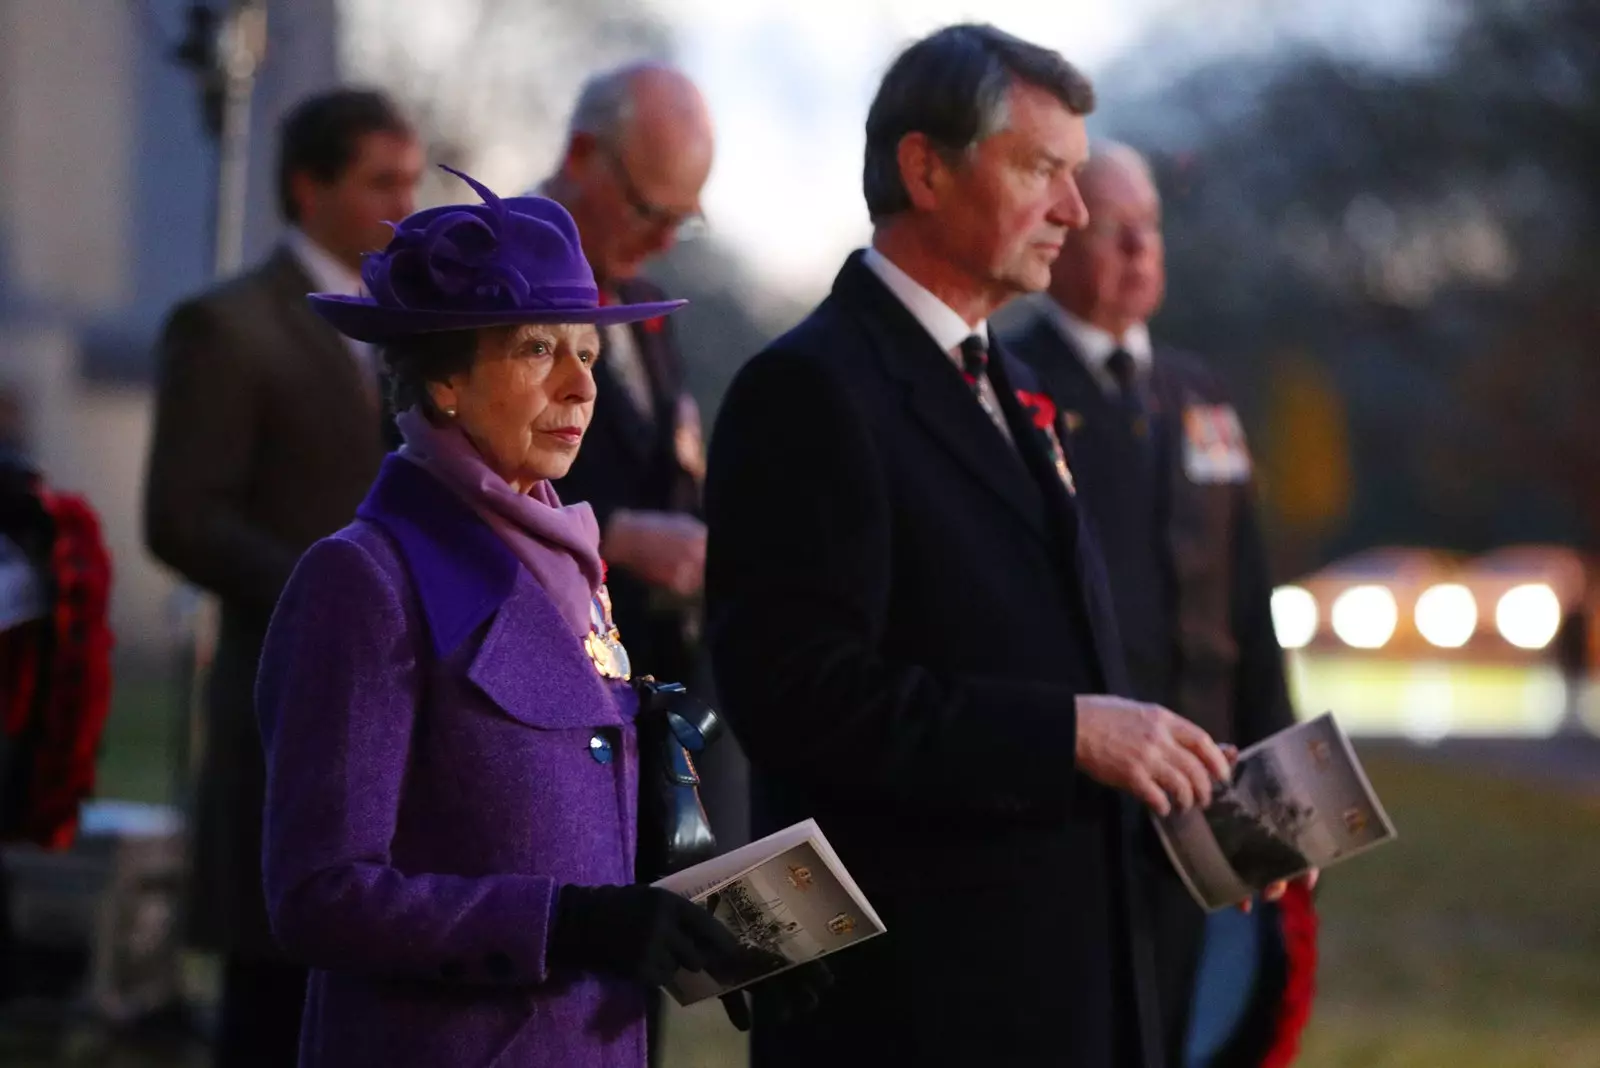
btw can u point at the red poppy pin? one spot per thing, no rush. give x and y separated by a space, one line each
1040 407
1043 411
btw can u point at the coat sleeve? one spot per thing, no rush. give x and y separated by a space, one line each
200 459
1260 687
799 566
337 696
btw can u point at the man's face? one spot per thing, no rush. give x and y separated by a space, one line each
1113 273
639 194
1003 213
347 216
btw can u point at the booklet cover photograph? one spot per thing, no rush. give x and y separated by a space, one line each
1298 800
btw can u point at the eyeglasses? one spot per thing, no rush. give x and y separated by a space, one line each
686 226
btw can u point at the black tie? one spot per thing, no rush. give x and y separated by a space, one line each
1123 372
974 361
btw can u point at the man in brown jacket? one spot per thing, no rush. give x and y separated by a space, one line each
266 439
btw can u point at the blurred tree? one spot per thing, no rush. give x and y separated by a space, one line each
491 82
1303 460
1426 232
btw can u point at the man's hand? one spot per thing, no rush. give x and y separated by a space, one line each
664 549
1145 750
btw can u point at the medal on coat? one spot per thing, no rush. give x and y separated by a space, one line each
687 444
1058 456
1214 449
603 643
1042 411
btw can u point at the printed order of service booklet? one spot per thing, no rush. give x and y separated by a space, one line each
1298 800
787 898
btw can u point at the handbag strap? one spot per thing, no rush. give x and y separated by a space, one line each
693 723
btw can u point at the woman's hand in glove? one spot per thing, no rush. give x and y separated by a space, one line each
641 933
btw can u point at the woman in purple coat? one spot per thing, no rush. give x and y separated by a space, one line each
452 764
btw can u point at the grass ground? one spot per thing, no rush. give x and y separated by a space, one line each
1472 942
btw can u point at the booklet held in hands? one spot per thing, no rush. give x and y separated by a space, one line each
787 898
1298 800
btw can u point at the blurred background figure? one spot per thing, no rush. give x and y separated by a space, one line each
638 151
1165 474
910 621
266 439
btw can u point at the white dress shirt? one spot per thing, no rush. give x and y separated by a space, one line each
1094 346
947 328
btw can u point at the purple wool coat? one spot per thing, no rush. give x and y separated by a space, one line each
441 757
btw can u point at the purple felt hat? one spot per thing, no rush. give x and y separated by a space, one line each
462 266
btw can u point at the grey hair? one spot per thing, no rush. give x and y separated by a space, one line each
606 103
954 87
1103 151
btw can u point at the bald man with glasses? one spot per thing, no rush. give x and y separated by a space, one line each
639 150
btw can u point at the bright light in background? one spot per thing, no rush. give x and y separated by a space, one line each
1364 617
1447 616
1529 616
1294 616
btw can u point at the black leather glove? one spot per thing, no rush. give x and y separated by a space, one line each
786 996
641 933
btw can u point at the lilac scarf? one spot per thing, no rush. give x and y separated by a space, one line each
559 545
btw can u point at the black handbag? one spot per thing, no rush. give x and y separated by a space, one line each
674 832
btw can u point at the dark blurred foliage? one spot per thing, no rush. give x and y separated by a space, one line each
1396 268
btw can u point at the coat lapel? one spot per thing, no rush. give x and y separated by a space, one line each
938 396
634 433
461 570
331 351
650 337
532 666
529 663
639 435
1170 399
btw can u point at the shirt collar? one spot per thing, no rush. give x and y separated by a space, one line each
1095 346
947 329
328 274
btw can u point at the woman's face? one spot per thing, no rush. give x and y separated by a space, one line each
527 398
